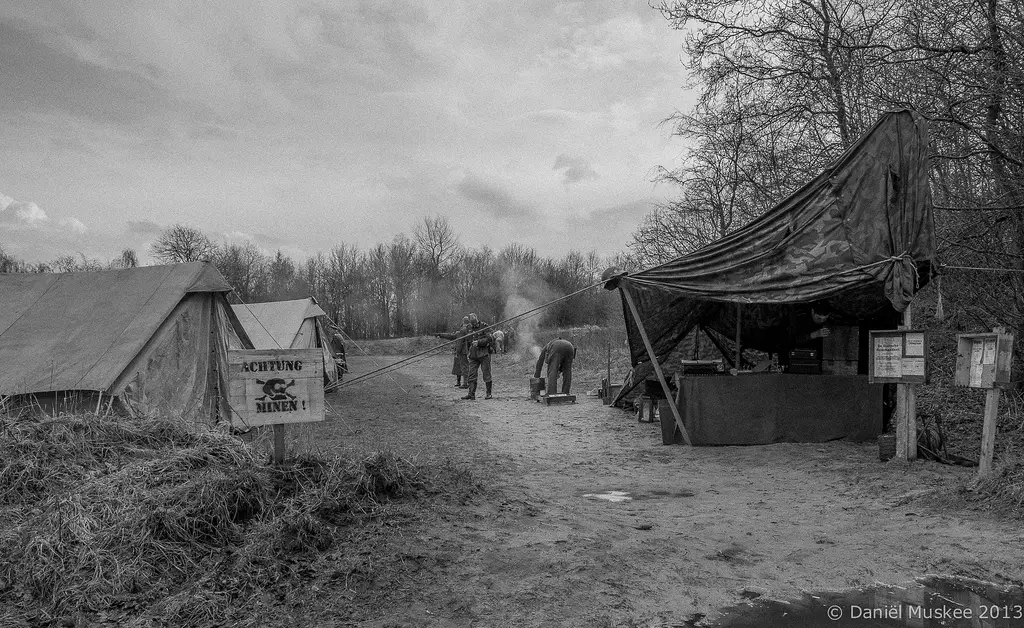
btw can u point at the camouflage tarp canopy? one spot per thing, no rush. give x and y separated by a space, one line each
858 239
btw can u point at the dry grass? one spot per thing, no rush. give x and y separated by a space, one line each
1002 491
128 521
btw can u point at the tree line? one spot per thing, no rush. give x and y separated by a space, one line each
785 87
419 284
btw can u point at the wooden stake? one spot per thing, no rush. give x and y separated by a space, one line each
906 409
988 432
278 444
655 364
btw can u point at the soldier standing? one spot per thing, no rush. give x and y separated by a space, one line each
338 351
480 346
460 353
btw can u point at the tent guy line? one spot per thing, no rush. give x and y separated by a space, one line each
406 361
366 354
414 360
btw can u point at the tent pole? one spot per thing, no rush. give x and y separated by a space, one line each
657 367
739 327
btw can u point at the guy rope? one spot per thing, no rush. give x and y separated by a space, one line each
424 354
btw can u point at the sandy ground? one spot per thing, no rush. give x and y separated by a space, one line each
703 528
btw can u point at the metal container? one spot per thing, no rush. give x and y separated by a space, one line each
538 386
886 447
610 393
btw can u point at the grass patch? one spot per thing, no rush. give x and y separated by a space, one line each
1002 492
136 520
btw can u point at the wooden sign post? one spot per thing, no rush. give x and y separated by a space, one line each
900 357
985 361
276 387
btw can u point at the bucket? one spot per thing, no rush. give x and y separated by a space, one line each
886 447
537 386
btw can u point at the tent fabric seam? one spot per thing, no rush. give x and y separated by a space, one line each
27 309
113 343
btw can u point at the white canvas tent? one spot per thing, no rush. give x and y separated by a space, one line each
155 339
295 324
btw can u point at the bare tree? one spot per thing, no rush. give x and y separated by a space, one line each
402 263
72 264
786 86
11 264
246 269
127 259
438 243
182 243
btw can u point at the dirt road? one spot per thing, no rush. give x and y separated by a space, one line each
689 531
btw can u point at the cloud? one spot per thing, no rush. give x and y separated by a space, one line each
18 213
611 227
143 228
32 231
266 243
492 198
359 117
73 224
41 78
609 45
555 117
26 215
574 169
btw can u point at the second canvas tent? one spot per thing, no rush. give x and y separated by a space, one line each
295 324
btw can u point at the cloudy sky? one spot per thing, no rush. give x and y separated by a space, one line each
300 124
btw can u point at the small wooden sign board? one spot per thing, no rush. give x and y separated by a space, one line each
898 356
984 360
276 386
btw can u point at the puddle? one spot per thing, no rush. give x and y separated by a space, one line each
928 603
610 496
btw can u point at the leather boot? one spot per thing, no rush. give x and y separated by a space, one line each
488 385
472 392
458 382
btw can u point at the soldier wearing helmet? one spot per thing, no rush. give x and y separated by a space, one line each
481 345
460 351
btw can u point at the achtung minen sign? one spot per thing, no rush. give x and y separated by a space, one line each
276 386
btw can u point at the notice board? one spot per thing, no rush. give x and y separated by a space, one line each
276 386
984 360
898 356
